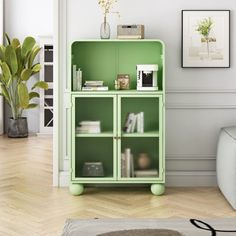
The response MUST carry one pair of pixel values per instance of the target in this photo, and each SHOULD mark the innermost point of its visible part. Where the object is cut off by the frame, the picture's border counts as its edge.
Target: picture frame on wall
(205, 39)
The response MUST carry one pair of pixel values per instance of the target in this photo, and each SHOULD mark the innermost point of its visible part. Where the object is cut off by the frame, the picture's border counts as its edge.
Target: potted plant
(204, 28)
(16, 68)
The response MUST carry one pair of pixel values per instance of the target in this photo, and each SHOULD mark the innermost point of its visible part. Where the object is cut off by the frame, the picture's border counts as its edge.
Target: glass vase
(105, 30)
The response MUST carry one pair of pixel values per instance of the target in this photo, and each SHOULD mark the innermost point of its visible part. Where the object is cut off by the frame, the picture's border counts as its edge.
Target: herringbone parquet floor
(30, 206)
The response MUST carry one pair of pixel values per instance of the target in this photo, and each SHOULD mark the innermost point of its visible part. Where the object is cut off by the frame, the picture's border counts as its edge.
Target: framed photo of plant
(205, 38)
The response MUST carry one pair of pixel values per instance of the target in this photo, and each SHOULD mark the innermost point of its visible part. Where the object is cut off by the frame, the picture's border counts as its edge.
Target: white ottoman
(226, 164)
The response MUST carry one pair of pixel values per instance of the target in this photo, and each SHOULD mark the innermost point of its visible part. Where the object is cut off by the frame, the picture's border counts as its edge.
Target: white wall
(199, 101)
(24, 18)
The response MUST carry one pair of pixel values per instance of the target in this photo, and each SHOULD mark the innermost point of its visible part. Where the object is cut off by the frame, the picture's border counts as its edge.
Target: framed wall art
(205, 38)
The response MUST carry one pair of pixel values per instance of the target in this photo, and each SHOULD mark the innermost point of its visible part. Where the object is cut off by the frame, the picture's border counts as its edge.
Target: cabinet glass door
(140, 137)
(94, 137)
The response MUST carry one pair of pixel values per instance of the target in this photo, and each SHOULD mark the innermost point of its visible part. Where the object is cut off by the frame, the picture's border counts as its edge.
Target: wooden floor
(29, 205)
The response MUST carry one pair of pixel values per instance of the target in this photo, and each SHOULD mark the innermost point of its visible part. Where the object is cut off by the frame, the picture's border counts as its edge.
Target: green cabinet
(103, 60)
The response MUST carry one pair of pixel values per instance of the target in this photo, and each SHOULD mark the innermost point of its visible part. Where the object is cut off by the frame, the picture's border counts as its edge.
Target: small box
(93, 169)
(130, 31)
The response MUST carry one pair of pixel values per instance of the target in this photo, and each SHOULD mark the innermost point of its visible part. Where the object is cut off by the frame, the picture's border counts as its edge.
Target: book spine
(134, 123)
(127, 158)
(79, 79)
(138, 123)
(74, 84)
(130, 123)
(123, 165)
(141, 122)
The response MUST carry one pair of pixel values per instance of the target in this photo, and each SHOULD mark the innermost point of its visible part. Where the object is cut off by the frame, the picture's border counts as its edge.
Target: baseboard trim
(173, 179)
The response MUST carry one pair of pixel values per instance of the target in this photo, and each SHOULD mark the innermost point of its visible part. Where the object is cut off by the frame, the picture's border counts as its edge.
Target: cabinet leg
(157, 189)
(76, 189)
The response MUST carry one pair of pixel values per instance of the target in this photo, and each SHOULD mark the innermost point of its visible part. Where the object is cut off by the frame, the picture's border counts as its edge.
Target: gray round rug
(143, 232)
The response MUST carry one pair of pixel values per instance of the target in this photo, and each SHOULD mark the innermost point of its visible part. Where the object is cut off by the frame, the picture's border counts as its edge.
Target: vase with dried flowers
(106, 6)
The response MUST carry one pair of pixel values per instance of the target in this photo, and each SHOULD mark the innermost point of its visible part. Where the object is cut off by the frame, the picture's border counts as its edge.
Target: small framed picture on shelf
(123, 81)
(205, 38)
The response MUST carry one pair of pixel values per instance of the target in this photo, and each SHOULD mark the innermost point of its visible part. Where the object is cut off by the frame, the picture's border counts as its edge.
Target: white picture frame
(205, 38)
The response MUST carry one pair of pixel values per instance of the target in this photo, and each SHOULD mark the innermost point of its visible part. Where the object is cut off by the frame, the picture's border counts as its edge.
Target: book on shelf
(134, 122)
(127, 164)
(102, 88)
(146, 173)
(89, 127)
(77, 78)
(94, 85)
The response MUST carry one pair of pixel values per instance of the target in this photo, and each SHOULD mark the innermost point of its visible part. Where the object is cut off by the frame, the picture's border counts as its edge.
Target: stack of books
(94, 85)
(89, 127)
(127, 164)
(77, 78)
(134, 123)
(146, 173)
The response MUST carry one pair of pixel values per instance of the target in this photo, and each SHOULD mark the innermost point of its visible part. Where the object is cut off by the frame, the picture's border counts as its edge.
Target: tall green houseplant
(17, 67)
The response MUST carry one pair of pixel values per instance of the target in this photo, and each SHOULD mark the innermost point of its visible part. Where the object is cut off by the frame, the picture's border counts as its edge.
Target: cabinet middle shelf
(151, 134)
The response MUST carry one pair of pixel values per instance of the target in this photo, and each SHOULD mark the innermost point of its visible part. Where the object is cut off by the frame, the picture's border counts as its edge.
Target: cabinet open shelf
(103, 60)
(145, 134)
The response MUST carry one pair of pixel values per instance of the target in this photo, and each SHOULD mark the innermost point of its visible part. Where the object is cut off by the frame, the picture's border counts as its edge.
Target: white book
(134, 121)
(88, 122)
(123, 165)
(79, 79)
(141, 122)
(131, 118)
(127, 158)
(146, 173)
(138, 123)
(74, 85)
(102, 88)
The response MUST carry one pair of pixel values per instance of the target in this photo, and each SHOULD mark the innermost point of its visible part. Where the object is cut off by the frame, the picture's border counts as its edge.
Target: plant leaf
(40, 84)
(32, 105)
(23, 95)
(11, 59)
(33, 54)
(7, 39)
(27, 46)
(6, 72)
(36, 68)
(19, 60)
(5, 93)
(15, 43)
(25, 74)
(33, 95)
(2, 52)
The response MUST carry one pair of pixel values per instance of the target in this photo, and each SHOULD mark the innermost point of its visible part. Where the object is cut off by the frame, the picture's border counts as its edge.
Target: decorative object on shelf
(94, 85)
(205, 38)
(77, 78)
(116, 85)
(130, 31)
(134, 122)
(17, 65)
(127, 164)
(93, 169)
(143, 161)
(89, 127)
(106, 6)
(105, 30)
(123, 81)
(147, 77)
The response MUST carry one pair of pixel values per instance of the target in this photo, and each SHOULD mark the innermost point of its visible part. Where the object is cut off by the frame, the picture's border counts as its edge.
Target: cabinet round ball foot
(157, 189)
(76, 189)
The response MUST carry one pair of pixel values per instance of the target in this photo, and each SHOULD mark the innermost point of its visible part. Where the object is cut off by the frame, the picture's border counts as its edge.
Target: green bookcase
(103, 60)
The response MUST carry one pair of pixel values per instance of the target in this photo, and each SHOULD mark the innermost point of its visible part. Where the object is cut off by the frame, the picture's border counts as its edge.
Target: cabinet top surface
(119, 40)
